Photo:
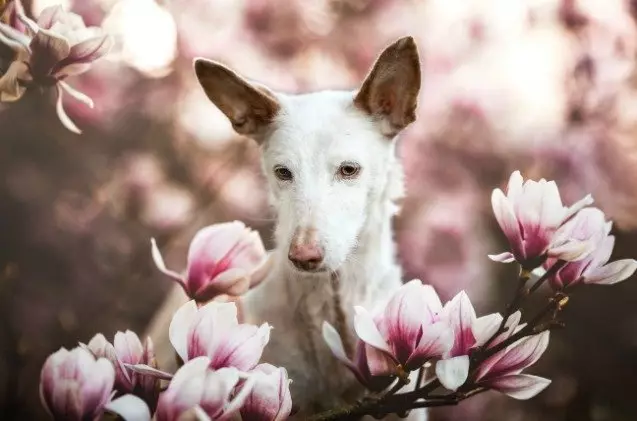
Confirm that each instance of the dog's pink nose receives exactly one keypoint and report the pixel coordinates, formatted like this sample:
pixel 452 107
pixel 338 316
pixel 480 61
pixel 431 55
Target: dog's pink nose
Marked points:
pixel 305 252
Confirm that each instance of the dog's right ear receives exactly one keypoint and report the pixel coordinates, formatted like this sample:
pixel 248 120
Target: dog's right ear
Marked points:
pixel 249 108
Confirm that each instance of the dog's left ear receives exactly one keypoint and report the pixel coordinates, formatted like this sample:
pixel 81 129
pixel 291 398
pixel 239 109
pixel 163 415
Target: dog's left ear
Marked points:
pixel 390 91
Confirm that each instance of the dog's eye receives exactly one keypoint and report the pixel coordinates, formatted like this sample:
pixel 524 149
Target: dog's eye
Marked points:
pixel 282 173
pixel 348 170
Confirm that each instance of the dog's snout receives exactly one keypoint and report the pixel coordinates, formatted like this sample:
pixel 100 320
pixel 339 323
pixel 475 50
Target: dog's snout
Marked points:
pixel 305 252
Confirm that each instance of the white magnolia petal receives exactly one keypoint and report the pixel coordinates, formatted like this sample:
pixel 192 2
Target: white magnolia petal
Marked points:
pixel 367 330
pixel 506 257
pixel 485 327
pixel 505 215
pixel 514 187
pixel 159 262
pixel 520 386
pixel 130 408
pixel 179 326
pixel 334 342
pixel 579 205
pixel 612 273
pixel 64 118
pixel 147 370
pixel 80 96
pixel 453 372
pixel 572 251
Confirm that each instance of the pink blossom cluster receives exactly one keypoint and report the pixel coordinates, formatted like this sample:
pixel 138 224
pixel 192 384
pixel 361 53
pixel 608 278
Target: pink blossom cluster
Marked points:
pixel 564 246
pixel 46 52
pixel 221 376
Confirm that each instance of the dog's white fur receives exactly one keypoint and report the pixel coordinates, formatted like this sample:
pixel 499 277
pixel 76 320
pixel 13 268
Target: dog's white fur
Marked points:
pixel 312 135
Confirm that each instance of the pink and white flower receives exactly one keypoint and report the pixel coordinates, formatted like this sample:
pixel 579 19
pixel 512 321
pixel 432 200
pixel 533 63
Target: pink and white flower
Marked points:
pixel 214 331
pixel 74 385
pixel 206 393
pixel 469 332
pixel 127 350
pixel 222 259
pixel 590 224
pixel 269 399
pixel 58 45
pixel 503 370
pixel 407 333
pixel 530 214
pixel 359 365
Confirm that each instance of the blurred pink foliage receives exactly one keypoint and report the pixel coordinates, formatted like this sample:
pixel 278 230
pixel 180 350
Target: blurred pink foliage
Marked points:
pixel 547 86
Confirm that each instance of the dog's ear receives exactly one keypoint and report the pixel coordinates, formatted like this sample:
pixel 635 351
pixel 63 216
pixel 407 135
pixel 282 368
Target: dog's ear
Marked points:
pixel 249 108
pixel 390 91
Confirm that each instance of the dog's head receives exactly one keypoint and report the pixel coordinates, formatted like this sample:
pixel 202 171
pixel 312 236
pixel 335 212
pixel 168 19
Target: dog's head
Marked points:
pixel 327 155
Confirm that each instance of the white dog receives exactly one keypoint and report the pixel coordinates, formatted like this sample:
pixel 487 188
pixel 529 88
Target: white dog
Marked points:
pixel 334 180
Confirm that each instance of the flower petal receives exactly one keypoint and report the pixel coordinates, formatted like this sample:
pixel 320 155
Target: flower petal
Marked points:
pixel 64 118
pixel 577 206
pixel 14 39
pixel 612 273
pixel 147 370
pixel 520 386
pixel 436 341
pixel 380 363
pixel 453 372
pixel 335 343
pixel 506 257
pixel 47 50
pixel 505 215
pixel 10 87
pixel 77 94
pixel 50 15
pixel 159 262
pixel 130 408
pixel 180 326
pixel 485 327
pixel 367 330
pixel 461 316
pixel 571 251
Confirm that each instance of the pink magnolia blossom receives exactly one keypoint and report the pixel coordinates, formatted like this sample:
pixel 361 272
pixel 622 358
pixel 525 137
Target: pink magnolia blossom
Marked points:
pixel 590 224
pixel 76 386
pixel 359 365
pixel 127 350
pixel 407 333
pixel 469 332
pixel 207 394
pixel 58 45
pixel 269 399
pixel 222 259
pixel 530 215
pixel 503 370
pixel 214 331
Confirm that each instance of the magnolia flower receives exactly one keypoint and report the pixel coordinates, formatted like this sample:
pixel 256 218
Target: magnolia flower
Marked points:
pixel 269 399
pixel 469 332
pixel 359 366
pixel 213 331
pixel 76 386
pixel 57 46
pixel 590 224
pixel 127 350
pixel 222 259
pixel 503 370
pixel 530 215
pixel 209 394
pixel 407 334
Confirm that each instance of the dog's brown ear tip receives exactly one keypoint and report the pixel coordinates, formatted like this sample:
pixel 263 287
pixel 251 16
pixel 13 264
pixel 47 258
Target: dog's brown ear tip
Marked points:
pixel 406 43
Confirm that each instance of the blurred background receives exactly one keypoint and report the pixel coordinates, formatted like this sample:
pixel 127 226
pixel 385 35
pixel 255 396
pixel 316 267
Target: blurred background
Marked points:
pixel 545 86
